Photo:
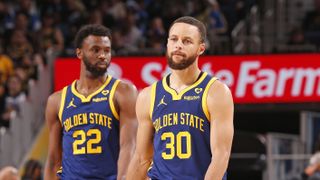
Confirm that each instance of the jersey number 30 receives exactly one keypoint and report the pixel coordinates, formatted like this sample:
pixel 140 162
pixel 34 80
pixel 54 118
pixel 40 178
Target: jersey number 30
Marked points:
pixel 175 145
pixel 91 146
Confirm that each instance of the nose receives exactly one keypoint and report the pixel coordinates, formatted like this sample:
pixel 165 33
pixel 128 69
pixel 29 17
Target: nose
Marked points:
pixel 102 55
pixel 178 44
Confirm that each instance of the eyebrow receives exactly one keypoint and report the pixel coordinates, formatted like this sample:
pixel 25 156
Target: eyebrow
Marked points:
pixel 97 46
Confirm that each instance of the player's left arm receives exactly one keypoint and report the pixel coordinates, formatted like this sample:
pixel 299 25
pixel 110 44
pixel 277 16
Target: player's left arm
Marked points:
pixel 220 106
pixel 125 98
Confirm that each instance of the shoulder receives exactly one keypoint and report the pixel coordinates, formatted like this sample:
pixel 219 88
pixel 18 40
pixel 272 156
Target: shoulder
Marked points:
pixel 126 88
pixel 145 93
pixel 54 100
pixel 219 93
pixel 56 96
pixel 219 87
pixel 125 95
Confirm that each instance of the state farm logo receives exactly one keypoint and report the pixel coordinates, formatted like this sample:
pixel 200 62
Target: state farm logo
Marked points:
pixel 266 82
pixel 251 79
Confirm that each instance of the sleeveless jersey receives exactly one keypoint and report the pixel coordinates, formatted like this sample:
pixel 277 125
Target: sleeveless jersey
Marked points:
pixel 90 140
pixel 182 130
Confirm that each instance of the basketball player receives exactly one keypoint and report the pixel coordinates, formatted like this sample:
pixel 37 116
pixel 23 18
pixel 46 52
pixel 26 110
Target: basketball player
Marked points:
pixel 186 119
pixel 92 122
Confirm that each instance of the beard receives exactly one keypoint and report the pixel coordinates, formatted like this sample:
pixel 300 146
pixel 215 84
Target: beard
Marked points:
pixel 94 69
pixel 183 64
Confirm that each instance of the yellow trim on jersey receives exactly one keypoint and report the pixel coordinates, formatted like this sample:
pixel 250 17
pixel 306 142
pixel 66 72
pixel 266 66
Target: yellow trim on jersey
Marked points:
pixel 150 167
pixel 88 98
pixel 205 96
pixel 62 102
pixel 60 170
pixel 152 98
pixel 112 92
pixel 178 96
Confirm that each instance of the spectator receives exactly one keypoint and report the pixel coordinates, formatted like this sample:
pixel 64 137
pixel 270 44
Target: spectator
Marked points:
pixel 6 68
pixel 311 21
pixel 156 35
pixel 32 170
pixel 217 22
pixel 313 169
pixel 18 46
pixel 3 122
pixel 311 24
pixel 296 37
pixel 132 36
pixel 95 17
pixel 9 173
pixel 15 97
pixel 50 36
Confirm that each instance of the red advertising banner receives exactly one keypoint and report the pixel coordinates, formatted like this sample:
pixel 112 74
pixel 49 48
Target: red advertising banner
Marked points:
pixel 289 78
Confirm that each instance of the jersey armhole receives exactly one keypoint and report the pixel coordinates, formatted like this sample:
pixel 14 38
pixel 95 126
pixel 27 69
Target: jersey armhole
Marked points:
pixel 152 98
pixel 205 96
pixel 112 106
pixel 62 102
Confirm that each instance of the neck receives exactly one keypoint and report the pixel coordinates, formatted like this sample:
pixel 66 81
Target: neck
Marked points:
pixel 181 79
pixel 88 84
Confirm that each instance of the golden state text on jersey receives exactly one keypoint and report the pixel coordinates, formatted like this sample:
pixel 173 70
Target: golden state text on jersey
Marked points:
pixel 182 130
pixel 90 133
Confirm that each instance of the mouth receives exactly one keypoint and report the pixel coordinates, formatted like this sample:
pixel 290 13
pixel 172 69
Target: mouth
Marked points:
pixel 178 54
pixel 102 64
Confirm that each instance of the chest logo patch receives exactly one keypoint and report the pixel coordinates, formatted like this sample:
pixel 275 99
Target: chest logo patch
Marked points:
pixel 162 102
pixel 105 92
pixel 198 90
pixel 71 103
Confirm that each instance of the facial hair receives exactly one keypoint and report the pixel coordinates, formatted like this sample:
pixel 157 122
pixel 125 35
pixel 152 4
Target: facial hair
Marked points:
pixel 93 68
pixel 183 64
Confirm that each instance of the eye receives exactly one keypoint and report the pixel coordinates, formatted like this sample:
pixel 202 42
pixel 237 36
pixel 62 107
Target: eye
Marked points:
pixel 187 41
pixel 95 49
pixel 107 50
pixel 173 39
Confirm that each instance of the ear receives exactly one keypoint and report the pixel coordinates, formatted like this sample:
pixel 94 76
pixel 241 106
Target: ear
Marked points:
pixel 202 48
pixel 79 53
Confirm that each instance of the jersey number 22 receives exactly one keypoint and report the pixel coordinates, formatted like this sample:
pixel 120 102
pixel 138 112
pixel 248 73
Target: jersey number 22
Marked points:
pixel 91 146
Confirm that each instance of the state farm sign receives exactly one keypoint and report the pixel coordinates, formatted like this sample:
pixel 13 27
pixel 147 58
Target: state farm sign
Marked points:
pixel 252 79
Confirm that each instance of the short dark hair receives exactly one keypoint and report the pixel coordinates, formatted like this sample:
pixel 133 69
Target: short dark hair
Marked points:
pixel 91 29
pixel 195 22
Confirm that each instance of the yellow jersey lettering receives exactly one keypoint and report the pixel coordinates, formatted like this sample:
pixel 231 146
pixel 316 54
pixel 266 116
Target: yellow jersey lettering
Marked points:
pixel 191 121
pixel 67 124
pixel 165 120
pixel 84 118
pixel 75 120
pixel 201 125
pixel 91 117
pixel 109 122
pixel 100 119
pixel 170 119
pixel 175 118
pixel 183 118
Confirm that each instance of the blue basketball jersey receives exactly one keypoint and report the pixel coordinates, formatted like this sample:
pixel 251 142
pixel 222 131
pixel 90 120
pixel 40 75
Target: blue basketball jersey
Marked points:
pixel 182 130
pixel 90 140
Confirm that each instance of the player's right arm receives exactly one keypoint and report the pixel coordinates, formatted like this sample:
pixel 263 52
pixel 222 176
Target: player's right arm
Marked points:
pixel 53 162
pixel 144 147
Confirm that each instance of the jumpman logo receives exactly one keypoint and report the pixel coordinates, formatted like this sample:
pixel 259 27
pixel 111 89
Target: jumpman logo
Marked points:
pixel 71 104
pixel 162 101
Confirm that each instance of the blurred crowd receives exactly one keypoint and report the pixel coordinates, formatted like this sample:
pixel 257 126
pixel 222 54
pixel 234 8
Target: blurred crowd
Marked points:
pixel 138 26
pixel 308 32
pixel 33 31
pixel 32 170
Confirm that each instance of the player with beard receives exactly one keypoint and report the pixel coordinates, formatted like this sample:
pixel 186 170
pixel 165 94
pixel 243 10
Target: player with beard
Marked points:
pixel 186 119
pixel 92 122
